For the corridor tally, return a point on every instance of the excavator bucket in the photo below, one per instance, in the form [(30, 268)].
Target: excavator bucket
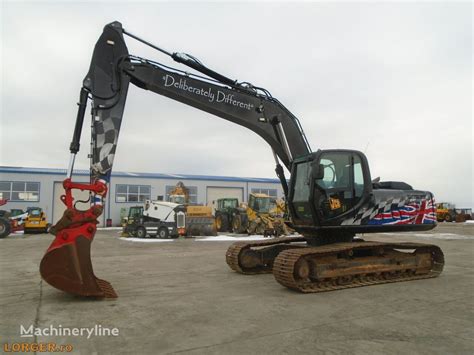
[(67, 263), (69, 269)]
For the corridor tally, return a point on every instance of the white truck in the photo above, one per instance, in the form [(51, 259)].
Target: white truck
[(157, 219)]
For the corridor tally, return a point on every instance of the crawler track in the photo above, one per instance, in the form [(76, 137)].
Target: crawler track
[(268, 249), (347, 265)]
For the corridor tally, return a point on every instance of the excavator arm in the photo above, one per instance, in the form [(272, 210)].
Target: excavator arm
[(67, 265)]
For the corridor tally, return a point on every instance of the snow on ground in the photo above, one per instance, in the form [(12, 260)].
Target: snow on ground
[(219, 238), (471, 221), (225, 238), (146, 240), (448, 236), (238, 237)]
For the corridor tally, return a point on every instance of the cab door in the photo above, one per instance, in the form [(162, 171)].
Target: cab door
[(341, 181), (300, 205)]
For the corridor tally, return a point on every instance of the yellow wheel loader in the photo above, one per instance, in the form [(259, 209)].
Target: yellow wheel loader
[(262, 215), (445, 212), (36, 221)]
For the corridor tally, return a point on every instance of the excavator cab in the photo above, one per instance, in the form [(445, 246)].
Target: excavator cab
[(328, 186)]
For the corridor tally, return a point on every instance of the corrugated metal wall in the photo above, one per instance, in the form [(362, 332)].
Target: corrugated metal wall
[(51, 189)]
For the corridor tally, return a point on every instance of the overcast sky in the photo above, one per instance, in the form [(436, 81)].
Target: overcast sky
[(391, 79)]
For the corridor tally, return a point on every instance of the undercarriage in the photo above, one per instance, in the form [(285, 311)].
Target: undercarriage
[(298, 265)]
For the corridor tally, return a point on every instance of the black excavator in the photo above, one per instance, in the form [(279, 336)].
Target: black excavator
[(331, 196)]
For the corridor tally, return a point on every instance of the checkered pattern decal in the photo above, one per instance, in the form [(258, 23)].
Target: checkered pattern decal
[(106, 133)]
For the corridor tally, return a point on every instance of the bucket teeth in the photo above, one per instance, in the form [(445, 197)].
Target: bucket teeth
[(106, 288)]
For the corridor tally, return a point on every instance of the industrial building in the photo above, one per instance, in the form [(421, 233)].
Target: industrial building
[(42, 187)]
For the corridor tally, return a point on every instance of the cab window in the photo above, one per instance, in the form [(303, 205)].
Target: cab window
[(358, 177), (341, 186), (301, 191)]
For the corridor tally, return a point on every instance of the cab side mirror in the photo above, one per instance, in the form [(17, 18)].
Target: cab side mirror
[(317, 171)]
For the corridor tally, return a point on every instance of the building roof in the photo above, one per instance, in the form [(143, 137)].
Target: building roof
[(52, 171)]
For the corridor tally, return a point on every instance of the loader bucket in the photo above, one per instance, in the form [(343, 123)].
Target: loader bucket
[(67, 263)]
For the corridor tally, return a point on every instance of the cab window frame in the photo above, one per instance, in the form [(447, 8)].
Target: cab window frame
[(315, 158)]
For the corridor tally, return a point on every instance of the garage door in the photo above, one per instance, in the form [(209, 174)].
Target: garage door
[(214, 193), (59, 207)]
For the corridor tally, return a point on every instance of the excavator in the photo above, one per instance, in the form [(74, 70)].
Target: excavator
[(331, 196)]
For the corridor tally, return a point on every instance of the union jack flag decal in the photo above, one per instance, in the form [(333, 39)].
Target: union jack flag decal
[(414, 212)]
